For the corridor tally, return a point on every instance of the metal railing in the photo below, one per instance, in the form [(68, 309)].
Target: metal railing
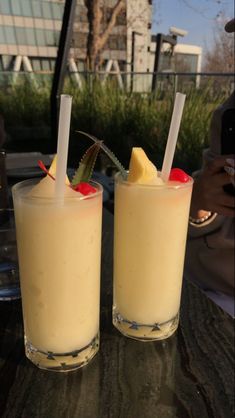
[(136, 82)]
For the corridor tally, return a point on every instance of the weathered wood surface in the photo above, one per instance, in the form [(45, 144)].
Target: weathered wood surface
[(190, 375)]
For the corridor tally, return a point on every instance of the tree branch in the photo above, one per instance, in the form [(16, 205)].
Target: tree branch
[(104, 36)]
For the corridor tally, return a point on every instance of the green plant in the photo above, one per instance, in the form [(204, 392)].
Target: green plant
[(25, 104), (120, 119), (125, 120)]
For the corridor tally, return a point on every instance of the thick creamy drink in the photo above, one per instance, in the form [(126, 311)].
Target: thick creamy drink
[(151, 220), (59, 246)]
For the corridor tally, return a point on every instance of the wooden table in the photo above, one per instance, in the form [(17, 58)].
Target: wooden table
[(189, 375)]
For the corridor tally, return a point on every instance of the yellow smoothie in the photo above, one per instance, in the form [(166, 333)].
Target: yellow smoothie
[(151, 221), (59, 246)]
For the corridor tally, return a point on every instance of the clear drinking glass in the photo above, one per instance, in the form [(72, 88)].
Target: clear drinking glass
[(59, 248), (9, 271), (149, 246)]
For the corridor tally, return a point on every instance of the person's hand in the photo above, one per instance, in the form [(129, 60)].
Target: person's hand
[(208, 194)]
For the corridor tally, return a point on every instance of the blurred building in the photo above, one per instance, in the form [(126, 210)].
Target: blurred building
[(30, 30), (29, 34), (180, 58)]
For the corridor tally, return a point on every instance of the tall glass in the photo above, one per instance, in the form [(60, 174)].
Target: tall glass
[(59, 248), (149, 246)]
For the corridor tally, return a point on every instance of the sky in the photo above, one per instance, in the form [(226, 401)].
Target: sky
[(198, 17)]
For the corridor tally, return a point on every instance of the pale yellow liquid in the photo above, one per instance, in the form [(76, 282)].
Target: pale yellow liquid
[(59, 257), (149, 246)]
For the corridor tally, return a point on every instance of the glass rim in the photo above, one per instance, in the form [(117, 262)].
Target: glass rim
[(177, 185), (23, 184)]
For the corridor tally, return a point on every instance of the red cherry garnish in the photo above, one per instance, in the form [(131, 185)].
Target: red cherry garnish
[(177, 174), (85, 188)]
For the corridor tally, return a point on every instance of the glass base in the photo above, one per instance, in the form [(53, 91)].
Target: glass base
[(62, 362), (145, 332)]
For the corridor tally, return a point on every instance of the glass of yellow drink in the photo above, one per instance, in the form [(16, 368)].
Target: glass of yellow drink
[(59, 248), (151, 223)]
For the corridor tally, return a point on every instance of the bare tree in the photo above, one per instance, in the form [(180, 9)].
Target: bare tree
[(99, 30), (209, 9), (220, 56), (203, 9)]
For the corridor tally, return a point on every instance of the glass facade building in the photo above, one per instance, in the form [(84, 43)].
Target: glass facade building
[(30, 31), (32, 8), (12, 35)]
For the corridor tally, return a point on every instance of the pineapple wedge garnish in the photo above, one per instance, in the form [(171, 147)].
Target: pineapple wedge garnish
[(141, 169)]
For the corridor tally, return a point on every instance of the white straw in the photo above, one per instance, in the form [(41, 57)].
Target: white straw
[(173, 135), (63, 143)]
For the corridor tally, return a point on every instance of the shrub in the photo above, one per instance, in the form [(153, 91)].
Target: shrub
[(24, 104), (121, 119)]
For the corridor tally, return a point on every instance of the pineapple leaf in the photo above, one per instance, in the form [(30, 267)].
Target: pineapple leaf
[(86, 166), (108, 152)]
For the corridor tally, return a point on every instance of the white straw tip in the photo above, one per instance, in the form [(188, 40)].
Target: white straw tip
[(180, 96), (66, 96)]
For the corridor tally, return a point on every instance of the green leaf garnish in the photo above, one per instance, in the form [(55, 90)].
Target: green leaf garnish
[(108, 152), (86, 166)]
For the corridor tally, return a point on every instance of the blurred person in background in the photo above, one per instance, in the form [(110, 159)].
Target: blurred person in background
[(210, 254)]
